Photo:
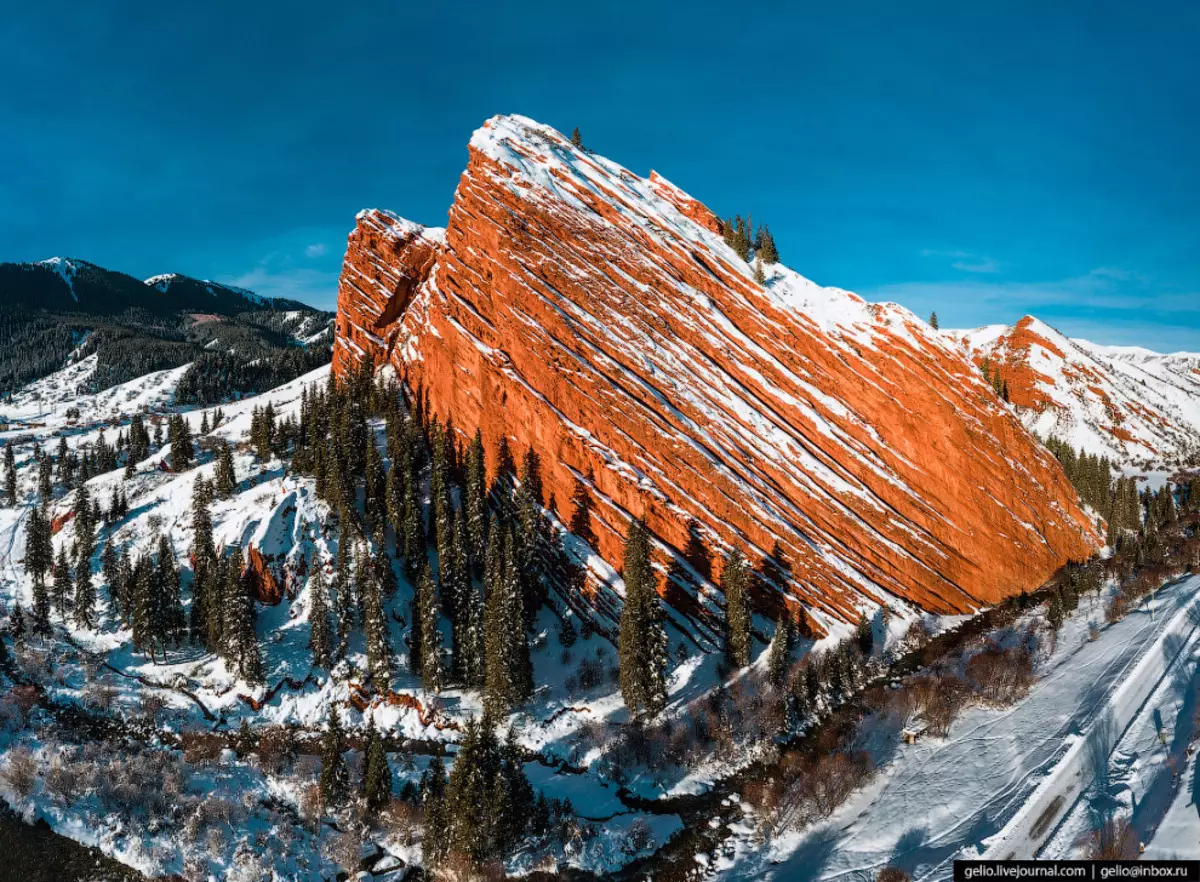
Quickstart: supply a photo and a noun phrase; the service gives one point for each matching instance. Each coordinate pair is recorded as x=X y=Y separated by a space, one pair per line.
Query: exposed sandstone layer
x=599 y=317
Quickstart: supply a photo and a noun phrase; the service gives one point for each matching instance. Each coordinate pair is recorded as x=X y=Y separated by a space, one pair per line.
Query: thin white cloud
x=966 y=261
x=276 y=275
x=315 y=250
x=1106 y=305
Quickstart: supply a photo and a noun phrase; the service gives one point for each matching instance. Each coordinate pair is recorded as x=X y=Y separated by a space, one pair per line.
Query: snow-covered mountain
x=1127 y=403
x=601 y=318
x=72 y=285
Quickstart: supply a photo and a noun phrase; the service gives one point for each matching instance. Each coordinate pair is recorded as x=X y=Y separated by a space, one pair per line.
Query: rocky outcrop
x=261 y=581
x=599 y=317
x=1126 y=403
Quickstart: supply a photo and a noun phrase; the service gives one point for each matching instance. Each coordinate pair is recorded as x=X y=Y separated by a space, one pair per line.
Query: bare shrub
x=276 y=748
x=201 y=748
x=312 y=806
x=63 y=779
x=20 y=771
x=1117 y=608
x=403 y=820
x=938 y=698
x=345 y=849
x=1002 y=676
x=892 y=874
x=1114 y=841
x=99 y=695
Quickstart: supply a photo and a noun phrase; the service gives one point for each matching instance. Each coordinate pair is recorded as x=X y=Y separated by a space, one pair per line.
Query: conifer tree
x=642 y=646
x=10 y=476
x=38 y=549
x=864 y=636
x=414 y=531
x=780 y=652
x=205 y=602
x=580 y=523
x=456 y=590
x=240 y=639
x=933 y=320
x=345 y=604
x=143 y=602
x=64 y=589
x=226 y=479
x=475 y=501
x=508 y=681
x=121 y=590
x=576 y=138
x=430 y=632
x=44 y=484
x=85 y=595
x=377 y=775
x=767 y=252
x=321 y=638
x=335 y=776
x=735 y=583
x=375 y=628
x=170 y=624
x=375 y=483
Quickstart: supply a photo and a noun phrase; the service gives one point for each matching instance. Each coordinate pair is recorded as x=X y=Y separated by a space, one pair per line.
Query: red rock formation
x=263 y=584
x=597 y=316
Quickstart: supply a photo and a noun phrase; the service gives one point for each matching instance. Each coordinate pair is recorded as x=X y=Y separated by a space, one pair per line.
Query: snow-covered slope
x=1127 y=403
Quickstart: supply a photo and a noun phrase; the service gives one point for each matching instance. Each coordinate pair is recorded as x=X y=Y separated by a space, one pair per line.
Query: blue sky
x=981 y=159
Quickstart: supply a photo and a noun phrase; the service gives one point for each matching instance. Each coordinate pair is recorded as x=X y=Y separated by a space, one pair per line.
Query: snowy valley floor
x=1084 y=744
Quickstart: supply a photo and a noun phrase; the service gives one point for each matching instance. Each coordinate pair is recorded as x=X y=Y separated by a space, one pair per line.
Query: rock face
x=599 y=317
x=1127 y=403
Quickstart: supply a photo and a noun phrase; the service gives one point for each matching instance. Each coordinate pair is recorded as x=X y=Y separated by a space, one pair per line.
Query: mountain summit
x=600 y=318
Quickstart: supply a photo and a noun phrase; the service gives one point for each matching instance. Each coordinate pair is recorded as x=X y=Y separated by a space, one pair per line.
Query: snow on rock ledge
x=600 y=317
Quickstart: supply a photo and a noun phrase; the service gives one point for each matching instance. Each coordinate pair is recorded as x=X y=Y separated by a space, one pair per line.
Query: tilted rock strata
x=599 y=317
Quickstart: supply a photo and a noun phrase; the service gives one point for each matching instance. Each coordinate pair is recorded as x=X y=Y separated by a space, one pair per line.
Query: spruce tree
x=240 y=639
x=321 y=638
x=335 y=776
x=431 y=634
x=345 y=606
x=10 y=476
x=933 y=320
x=226 y=479
x=85 y=596
x=143 y=604
x=779 y=656
x=864 y=635
x=476 y=502
x=576 y=138
x=205 y=601
x=377 y=774
x=735 y=583
x=506 y=650
x=64 y=588
x=44 y=484
x=170 y=624
x=375 y=628
x=580 y=523
x=642 y=645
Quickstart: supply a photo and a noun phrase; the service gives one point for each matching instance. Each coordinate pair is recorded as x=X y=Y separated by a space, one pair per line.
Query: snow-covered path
x=938 y=800
x=1088 y=756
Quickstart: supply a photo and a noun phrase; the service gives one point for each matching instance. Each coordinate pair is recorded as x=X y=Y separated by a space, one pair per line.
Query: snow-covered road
x=1088 y=755
x=979 y=790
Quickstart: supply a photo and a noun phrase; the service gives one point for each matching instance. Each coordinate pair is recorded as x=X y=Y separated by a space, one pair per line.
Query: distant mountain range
x=63 y=284
x=59 y=311
x=1132 y=405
